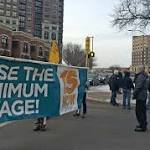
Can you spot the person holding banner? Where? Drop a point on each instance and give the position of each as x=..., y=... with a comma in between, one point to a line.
x=83, y=103
x=40, y=124
x=54, y=57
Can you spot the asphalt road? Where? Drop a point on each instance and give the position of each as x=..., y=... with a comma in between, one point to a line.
x=105, y=128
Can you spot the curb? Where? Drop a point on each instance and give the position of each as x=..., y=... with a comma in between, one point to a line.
x=97, y=100
x=105, y=101
x=3, y=124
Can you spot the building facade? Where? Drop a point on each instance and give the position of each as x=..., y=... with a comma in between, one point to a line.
x=41, y=18
x=9, y=13
x=140, y=52
x=19, y=44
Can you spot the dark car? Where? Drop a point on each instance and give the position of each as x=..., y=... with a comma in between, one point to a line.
x=102, y=80
x=93, y=81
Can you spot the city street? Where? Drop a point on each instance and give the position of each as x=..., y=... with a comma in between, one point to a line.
x=106, y=128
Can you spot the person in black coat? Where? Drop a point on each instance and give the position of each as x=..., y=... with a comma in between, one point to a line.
x=114, y=87
x=120, y=78
x=140, y=94
x=127, y=85
x=77, y=113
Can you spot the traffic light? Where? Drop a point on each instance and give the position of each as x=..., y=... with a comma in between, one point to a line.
x=87, y=44
x=91, y=54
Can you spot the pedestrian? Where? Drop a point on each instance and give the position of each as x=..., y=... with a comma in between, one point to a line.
x=140, y=94
x=114, y=87
x=127, y=85
x=148, y=99
x=40, y=124
x=120, y=78
x=83, y=103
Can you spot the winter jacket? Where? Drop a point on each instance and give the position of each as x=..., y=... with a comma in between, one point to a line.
x=127, y=82
x=120, y=78
x=114, y=83
x=141, y=86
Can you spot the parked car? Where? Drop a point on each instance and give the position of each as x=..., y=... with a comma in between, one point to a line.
x=102, y=80
x=90, y=80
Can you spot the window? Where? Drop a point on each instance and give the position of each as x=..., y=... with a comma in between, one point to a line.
x=1, y=5
x=53, y=36
x=40, y=51
x=33, y=48
x=8, y=13
x=1, y=11
x=4, y=41
x=54, y=28
x=14, y=14
x=14, y=7
x=7, y=21
x=8, y=1
x=14, y=22
x=15, y=1
x=46, y=27
x=15, y=44
x=8, y=6
x=25, y=47
x=46, y=35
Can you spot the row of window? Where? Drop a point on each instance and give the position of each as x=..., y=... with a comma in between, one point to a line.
x=8, y=7
x=8, y=13
x=9, y=22
x=4, y=43
x=8, y=1
x=47, y=35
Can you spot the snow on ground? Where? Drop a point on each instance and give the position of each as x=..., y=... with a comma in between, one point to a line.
x=104, y=88
x=101, y=88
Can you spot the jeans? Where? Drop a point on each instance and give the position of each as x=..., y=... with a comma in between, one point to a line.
x=113, y=97
x=126, y=98
x=83, y=104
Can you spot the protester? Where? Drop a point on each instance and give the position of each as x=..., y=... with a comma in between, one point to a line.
x=148, y=99
x=114, y=87
x=83, y=103
x=127, y=85
x=120, y=78
x=40, y=124
x=140, y=94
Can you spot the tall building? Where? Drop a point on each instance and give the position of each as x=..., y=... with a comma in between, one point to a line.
x=41, y=18
x=9, y=13
x=141, y=52
x=52, y=24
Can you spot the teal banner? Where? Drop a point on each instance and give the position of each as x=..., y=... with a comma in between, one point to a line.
x=31, y=89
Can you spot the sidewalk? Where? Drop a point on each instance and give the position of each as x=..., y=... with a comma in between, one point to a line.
x=102, y=94
x=3, y=124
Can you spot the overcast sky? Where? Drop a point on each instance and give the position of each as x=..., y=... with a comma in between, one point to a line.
x=92, y=18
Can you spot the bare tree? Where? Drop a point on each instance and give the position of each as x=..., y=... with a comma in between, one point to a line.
x=133, y=13
x=73, y=55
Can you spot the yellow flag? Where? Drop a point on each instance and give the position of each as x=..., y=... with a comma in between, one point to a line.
x=54, y=53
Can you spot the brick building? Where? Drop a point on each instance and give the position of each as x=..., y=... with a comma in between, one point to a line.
x=22, y=45
x=141, y=52
x=41, y=18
